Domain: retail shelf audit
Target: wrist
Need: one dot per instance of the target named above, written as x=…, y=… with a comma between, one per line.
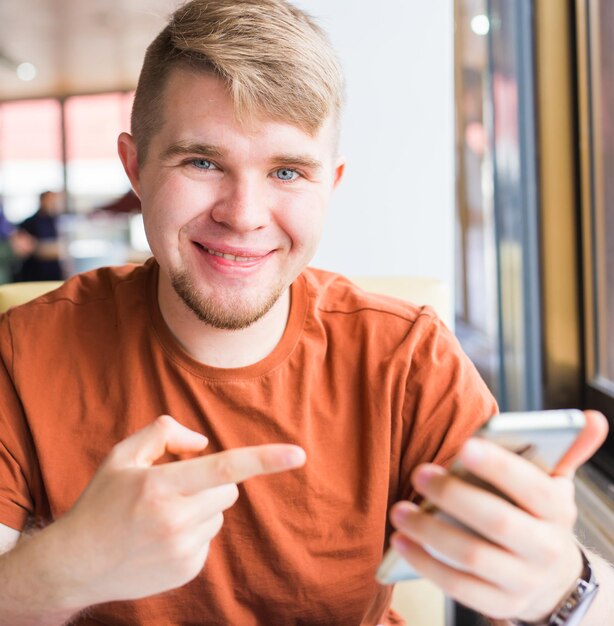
x=576, y=601
x=59, y=587
x=32, y=584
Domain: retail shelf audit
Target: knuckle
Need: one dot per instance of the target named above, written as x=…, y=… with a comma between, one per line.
x=164, y=423
x=180, y=550
x=231, y=493
x=551, y=550
x=536, y=498
x=170, y=526
x=502, y=524
x=443, y=489
x=223, y=469
x=150, y=488
x=115, y=455
x=415, y=526
x=473, y=558
x=215, y=524
x=569, y=514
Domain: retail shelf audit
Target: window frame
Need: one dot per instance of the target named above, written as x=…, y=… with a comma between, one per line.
x=594, y=394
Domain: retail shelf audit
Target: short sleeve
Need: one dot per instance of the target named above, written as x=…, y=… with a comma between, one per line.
x=446, y=400
x=17, y=458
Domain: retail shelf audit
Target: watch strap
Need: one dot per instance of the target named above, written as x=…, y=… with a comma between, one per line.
x=574, y=605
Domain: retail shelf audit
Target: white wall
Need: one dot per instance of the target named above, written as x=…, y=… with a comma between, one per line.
x=394, y=211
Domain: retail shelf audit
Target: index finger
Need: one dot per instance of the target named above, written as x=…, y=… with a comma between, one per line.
x=515, y=477
x=231, y=466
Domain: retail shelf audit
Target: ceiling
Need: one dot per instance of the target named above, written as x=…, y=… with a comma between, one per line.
x=76, y=46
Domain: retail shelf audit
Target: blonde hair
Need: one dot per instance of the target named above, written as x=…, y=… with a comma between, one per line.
x=274, y=58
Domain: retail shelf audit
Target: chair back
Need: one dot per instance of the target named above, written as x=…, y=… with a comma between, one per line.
x=416, y=289
x=14, y=294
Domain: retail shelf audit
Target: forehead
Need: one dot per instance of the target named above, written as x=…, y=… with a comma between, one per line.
x=196, y=103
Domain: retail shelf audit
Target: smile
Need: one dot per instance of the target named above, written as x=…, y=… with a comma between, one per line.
x=229, y=257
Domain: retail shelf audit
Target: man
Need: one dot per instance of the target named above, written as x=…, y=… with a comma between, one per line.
x=36, y=241
x=234, y=156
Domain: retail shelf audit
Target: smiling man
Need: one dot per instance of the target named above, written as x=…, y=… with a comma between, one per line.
x=234, y=212
x=113, y=512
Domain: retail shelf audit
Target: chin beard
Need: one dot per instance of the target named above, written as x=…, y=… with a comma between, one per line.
x=234, y=314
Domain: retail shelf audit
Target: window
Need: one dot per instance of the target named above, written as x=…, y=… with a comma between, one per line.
x=596, y=70
x=498, y=300
x=32, y=151
x=94, y=171
x=30, y=154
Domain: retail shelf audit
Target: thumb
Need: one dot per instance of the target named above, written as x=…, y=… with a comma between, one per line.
x=163, y=435
x=592, y=436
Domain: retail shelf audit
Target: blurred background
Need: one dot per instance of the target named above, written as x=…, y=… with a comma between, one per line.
x=68, y=69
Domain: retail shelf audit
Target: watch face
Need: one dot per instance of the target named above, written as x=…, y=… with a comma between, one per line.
x=577, y=613
x=578, y=601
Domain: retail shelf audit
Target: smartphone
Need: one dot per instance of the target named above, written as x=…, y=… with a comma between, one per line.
x=542, y=437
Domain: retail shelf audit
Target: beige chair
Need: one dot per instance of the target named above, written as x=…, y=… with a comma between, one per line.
x=13, y=294
x=415, y=289
x=419, y=601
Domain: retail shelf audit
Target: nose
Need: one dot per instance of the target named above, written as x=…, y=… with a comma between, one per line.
x=243, y=206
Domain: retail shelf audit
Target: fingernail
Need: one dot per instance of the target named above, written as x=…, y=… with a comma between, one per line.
x=473, y=450
x=402, y=511
x=296, y=456
x=426, y=474
x=399, y=542
x=201, y=440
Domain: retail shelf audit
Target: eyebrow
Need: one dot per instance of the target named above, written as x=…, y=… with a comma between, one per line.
x=182, y=149
x=298, y=159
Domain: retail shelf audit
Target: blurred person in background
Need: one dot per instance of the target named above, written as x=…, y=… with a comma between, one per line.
x=35, y=241
x=7, y=256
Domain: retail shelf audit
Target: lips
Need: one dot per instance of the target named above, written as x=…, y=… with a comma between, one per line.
x=234, y=255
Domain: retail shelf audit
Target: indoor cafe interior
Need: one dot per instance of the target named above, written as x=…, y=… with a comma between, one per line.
x=478, y=136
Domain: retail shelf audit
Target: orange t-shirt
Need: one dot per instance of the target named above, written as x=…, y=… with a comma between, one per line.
x=369, y=386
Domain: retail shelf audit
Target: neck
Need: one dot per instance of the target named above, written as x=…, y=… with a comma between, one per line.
x=217, y=347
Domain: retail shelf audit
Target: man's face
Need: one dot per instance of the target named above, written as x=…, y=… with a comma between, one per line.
x=52, y=203
x=232, y=213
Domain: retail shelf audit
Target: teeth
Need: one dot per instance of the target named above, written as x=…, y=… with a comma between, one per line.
x=231, y=257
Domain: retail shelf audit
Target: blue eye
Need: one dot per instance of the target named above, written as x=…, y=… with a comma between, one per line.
x=286, y=173
x=203, y=164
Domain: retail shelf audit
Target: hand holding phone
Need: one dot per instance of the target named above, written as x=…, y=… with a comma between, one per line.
x=541, y=437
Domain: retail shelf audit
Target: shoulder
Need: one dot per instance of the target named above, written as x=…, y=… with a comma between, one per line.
x=88, y=296
x=397, y=339
x=29, y=222
x=95, y=285
x=342, y=316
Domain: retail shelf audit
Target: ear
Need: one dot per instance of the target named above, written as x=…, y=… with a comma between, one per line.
x=339, y=170
x=128, y=155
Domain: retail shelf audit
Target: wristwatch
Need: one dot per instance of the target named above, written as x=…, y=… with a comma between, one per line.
x=571, y=610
